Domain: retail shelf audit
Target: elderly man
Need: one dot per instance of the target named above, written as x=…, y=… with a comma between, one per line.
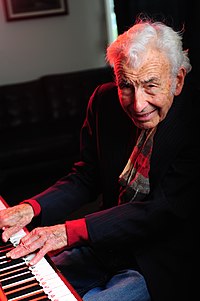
x=140, y=151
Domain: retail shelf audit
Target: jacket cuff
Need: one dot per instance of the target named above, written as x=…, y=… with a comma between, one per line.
x=77, y=232
x=35, y=205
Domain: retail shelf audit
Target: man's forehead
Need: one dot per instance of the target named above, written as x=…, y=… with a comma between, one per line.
x=140, y=59
x=152, y=67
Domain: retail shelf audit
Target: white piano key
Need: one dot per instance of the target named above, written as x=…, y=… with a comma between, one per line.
x=15, y=239
x=58, y=293
x=68, y=298
x=54, y=285
x=54, y=282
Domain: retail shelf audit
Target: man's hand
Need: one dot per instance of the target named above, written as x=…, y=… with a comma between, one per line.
x=42, y=240
x=14, y=219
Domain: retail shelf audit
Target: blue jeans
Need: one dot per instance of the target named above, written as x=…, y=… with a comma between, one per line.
x=97, y=278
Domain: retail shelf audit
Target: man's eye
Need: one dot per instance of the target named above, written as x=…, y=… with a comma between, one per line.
x=151, y=85
x=124, y=85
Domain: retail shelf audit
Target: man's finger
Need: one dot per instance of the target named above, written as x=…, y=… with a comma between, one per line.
x=8, y=232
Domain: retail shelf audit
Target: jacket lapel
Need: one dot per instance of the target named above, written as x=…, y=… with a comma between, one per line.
x=168, y=140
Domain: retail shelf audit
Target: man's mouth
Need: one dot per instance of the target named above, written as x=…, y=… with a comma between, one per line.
x=144, y=116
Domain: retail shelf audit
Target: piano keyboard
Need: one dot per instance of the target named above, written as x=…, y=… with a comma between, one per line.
x=19, y=281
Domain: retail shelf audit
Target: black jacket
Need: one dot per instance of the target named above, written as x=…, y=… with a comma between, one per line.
x=160, y=232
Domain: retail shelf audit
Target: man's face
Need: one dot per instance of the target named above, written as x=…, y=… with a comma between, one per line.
x=145, y=92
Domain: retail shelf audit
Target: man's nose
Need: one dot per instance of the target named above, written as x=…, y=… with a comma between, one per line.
x=140, y=100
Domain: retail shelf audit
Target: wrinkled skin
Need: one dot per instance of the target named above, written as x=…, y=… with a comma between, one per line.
x=44, y=239
x=146, y=93
x=14, y=219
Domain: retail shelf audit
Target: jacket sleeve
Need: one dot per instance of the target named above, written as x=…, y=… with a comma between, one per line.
x=81, y=185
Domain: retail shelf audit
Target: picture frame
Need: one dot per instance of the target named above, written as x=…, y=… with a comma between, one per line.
x=29, y=9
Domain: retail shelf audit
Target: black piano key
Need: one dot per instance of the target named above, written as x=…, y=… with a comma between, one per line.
x=4, y=250
x=36, y=297
x=5, y=244
x=16, y=278
x=19, y=286
x=10, y=273
x=3, y=259
x=19, y=290
x=12, y=264
x=31, y=296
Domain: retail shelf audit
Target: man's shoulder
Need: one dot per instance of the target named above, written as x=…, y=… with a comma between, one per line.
x=107, y=88
x=105, y=93
x=106, y=102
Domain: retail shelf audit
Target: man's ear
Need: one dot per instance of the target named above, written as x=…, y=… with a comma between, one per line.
x=180, y=81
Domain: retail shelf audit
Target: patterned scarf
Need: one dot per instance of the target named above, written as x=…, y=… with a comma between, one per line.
x=134, y=179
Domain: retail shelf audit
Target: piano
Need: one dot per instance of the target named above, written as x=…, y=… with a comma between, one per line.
x=19, y=281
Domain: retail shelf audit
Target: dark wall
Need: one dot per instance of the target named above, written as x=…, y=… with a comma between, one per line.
x=175, y=13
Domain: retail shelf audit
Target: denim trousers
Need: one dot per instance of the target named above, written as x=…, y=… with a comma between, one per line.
x=101, y=278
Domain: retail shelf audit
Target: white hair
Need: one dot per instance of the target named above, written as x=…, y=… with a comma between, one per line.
x=130, y=45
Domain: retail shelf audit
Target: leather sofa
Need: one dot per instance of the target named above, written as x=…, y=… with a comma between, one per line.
x=40, y=122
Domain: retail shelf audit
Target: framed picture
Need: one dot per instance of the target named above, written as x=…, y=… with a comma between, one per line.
x=28, y=9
